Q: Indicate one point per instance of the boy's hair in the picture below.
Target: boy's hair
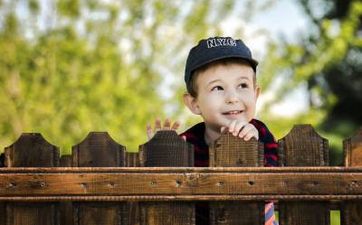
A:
(214, 49)
(192, 89)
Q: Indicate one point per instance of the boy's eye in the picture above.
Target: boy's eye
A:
(243, 85)
(217, 88)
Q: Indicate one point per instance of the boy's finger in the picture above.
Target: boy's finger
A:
(239, 127)
(249, 132)
(149, 131)
(167, 124)
(246, 129)
(249, 136)
(157, 125)
(175, 125)
(183, 137)
(223, 129)
(232, 126)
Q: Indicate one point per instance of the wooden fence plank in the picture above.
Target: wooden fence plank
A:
(352, 210)
(98, 149)
(66, 207)
(300, 148)
(32, 213)
(304, 147)
(167, 213)
(66, 161)
(31, 150)
(166, 148)
(352, 149)
(2, 213)
(181, 183)
(230, 151)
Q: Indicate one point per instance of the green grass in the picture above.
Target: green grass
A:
(335, 217)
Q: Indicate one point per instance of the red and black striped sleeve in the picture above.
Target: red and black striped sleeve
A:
(270, 145)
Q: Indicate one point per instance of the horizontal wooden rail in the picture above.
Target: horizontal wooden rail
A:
(186, 183)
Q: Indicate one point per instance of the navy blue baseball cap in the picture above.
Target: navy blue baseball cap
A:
(213, 49)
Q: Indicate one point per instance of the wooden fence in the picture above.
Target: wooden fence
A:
(102, 184)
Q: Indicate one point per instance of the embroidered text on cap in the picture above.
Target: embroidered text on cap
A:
(215, 42)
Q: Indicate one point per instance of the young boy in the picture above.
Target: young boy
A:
(220, 78)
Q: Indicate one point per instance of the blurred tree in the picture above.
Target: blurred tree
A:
(328, 61)
(68, 67)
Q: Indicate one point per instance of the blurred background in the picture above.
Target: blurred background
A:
(68, 67)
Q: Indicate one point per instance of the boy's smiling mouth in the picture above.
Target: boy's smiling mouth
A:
(234, 112)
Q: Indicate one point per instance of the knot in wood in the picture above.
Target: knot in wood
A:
(353, 185)
(193, 179)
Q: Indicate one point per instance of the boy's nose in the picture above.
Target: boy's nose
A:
(231, 98)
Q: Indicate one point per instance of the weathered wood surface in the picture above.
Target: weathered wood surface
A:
(96, 192)
(31, 150)
(352, 210)
(304, 147)
(244, 183)
(232, 151)
(98, 149)
(165, 149)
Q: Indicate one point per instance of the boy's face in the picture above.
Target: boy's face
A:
(224, 93)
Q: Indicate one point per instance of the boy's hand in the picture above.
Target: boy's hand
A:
(167, 125)
(242, 129)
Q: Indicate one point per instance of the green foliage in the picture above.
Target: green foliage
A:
(327, 60)
(69, 8)
(70, 67)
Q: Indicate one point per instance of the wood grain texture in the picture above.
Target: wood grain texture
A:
(284, 182)
(351, 212)
(303, 146)
(100, 189)
(31, 150)
(236, 212)
(32, 213)
(166, 149)
(98, 149)
(230, 151)
(352, 149)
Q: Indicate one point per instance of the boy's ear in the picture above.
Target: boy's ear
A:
(257, 92)
(191, 103)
